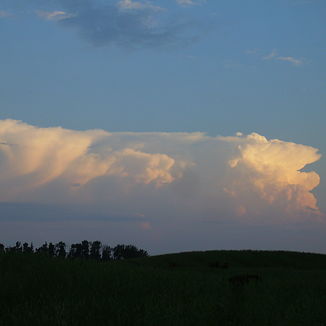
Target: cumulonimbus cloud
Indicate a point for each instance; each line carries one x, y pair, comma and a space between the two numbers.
238, 175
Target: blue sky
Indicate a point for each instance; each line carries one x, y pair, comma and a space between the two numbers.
217, 67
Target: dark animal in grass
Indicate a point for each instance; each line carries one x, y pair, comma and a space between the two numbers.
240, 280
172, 265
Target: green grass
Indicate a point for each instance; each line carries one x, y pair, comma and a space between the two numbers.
175, 289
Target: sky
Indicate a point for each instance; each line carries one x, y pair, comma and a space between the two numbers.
173, 125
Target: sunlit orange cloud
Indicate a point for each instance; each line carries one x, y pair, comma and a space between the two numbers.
272, 169
239, 175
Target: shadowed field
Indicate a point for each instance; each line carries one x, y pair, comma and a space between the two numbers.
195, 288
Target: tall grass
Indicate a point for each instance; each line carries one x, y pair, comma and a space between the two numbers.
178, 289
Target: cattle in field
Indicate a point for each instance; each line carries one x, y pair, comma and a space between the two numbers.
240, 280
172, 265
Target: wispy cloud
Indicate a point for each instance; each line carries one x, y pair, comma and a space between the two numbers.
54, 15
271, 55
274, 56
189, 2
136, 5
293, 60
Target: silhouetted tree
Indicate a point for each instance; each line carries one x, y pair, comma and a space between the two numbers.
85, 249
44, 249
28, 249
10, 249
25, 247
118, 252
95, 250
75, 250
106, 253
51, 249
128, 251
60, 249
18, 247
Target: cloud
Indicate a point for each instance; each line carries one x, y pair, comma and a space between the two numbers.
136, 5
38, 157
188, 2
272, 169
53, 15
125, 23
274, 56
292, 60
158, 174
270, 56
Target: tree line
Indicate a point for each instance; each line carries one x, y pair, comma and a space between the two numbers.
84, 250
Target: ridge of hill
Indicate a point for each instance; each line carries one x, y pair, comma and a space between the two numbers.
237, 259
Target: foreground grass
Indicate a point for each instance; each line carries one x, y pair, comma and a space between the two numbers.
176, 289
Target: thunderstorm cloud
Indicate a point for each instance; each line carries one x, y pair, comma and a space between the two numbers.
150, 173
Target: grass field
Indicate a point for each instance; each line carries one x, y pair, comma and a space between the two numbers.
177, 289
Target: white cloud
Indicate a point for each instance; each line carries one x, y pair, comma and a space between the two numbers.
274, 56
272, 169
188, 2
270, 56
54, 15
293, 60
39, 157
136, 5
158, 173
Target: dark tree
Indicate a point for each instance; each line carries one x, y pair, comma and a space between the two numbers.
10, 249
18, 247
51, 249
75, 250
60, 249
28, 249
106, 253
85, 249
128, 251
118, 252
44, 249
96, 250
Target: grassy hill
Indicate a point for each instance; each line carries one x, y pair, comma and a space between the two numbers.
193, 288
